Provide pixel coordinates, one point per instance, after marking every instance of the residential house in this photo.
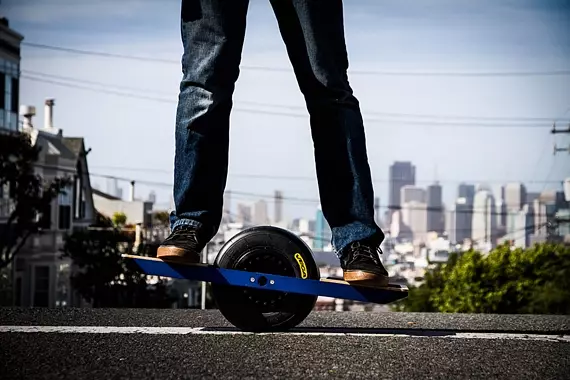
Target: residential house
(41, 276)
(10, 42)
(136, 211)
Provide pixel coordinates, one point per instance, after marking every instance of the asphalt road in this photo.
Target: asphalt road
(201, 344)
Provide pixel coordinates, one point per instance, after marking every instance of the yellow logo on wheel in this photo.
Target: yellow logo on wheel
(302, 265)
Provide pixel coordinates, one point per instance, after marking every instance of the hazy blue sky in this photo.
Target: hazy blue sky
(382, 36)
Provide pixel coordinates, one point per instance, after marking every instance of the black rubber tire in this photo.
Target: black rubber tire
(269, 243)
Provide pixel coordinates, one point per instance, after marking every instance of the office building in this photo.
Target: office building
(466, 191)
(402, 173)
(278, 213)
(411, 193)
(322, 231)
(10, 57)
(514, 196)
(260, 213)
(484, 223)
(435, 215)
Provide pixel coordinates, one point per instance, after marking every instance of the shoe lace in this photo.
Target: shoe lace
(365, 251)
(184, 231)
(187, 233)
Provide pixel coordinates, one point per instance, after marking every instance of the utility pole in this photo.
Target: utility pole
(204, 261)
(555, 131)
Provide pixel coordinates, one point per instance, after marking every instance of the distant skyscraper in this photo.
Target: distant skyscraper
(539, 217)
(531, 196)
(450, 216)
(312, 224)
(260, 215)
(464, 212)
(435, 216)
(484, 218)
(398, 229)
(322, 231)
(515, 196)
(462, 220)
(243, 214)
(227, 214)
(502, 211)
(523, 227)
(414, 215)
(401, 173)
(466, 191)
(152, 197)
(409, 193)
(278, 206)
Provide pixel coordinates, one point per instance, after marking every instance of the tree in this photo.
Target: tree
(161, 218)
(421, 298)
(534, 280)
(104, 278)
(29, 194)
(119, 219)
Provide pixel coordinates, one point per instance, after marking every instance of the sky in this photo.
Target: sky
(489, 129)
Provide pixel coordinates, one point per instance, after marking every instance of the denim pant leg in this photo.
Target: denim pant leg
(313, 32)
(212, 36)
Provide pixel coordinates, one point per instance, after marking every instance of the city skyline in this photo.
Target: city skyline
(459, 189)
(407, 117)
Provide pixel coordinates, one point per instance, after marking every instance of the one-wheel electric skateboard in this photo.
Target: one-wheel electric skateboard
(266, 279)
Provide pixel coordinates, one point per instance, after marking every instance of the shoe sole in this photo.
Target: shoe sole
(358, 277)
(177, 254)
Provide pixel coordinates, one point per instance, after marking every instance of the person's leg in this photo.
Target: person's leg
(212, 35)
(313, 33)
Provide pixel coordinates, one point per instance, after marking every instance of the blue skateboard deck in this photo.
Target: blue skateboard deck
(329, 287)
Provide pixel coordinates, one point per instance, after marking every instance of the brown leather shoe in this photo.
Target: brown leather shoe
(181, 246)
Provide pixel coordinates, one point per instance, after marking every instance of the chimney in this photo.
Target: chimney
(48, 117)
(27, 112)
(132, 193)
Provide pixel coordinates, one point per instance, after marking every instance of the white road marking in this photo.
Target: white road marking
(207, 331)
(99, 329)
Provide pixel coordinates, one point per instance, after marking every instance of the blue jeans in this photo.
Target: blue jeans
(313, 32)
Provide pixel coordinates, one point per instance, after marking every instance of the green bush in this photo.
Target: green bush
(524, 281)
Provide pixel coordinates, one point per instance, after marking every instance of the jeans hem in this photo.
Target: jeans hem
(186, 222)
(377, 236)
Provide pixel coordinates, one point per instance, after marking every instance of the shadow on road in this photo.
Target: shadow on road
(348, 330)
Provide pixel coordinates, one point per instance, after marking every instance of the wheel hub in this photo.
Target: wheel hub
(264, 261)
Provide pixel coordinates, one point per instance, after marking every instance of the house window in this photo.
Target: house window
(79, 198)
(41, 286)
(14, 98)
(64, 201)
(7, 103)
(45, 217)
(2, 91)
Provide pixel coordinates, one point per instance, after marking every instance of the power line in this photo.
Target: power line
(261, 104)
(97, 53)
(279, 69)
(97, 90)
(312, 178)
(91, 82)
(288, 199)
(287, 114)
(257, 195)
(510, 234)
(297, 200)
